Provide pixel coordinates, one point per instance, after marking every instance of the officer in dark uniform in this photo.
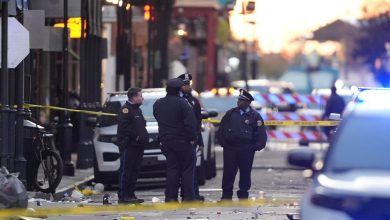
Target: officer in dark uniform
(196, 107)
(240, 133)
(132, 139)
(178, 135)
(335, 104)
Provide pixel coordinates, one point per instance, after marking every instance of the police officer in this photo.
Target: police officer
(195, 104)
(240, 133)
(335, 104)
(178, 135)
(132, 138)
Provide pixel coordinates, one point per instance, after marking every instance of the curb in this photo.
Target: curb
(68, 189)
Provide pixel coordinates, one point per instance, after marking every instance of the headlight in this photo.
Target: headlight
(107, 138)
(346, 203)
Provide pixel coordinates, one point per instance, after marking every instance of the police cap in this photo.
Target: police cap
(245, 95)
(175, 83)
(186, 77)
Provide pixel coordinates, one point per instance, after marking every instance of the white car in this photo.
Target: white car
(106, 158)
(353, 181)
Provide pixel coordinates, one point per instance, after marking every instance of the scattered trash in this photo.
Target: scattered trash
(218, 213)
(98, 188)
(261, 194)
(269, 169)
(192, 211)
(33, 212)
(293, 216)
(87, 191)
(257, 215)
(12, 191)
(106, 199)
(39, 203)
(125, 218)
(77, 195)
(155, 200)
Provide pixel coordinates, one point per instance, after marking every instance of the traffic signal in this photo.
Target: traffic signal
(148, 13)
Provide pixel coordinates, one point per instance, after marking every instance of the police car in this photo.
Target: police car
(106, 155)
(353, 181)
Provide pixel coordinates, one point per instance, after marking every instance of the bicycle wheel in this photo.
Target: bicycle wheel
(48, 172)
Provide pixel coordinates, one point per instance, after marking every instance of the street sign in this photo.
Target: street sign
(18, 42)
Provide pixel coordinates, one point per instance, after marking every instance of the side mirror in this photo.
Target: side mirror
(212, 113)
(91, 121)
(302, 157)
(208, 114)
(204, 114)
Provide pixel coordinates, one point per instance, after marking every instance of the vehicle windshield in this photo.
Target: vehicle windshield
(147, 109)
(261, 89)
(114, 107)
(363, 143)
(219, 103)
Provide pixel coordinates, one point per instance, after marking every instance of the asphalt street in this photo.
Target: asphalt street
(277, 185)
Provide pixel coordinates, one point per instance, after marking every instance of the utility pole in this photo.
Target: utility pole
(66, 126)
(5, 110)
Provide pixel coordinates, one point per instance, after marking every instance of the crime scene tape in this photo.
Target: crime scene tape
(267, 122)
(291, 99)
(289, 123)
(93, 209)
(303, 135)
(68, 109)
(290, 116)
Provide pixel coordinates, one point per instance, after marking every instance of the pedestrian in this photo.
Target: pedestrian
(178, 136)
(197, 109)
(241, 133)
(132, 139)
(335, 104)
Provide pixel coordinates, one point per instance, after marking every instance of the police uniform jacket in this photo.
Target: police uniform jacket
(176, 120)
(194, 102)
(242, 131)
(335, 104)
(131, 127)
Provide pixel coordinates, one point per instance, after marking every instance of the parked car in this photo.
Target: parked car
(106, 163)
(353, 181)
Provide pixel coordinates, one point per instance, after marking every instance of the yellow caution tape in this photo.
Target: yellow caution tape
(92, 209)
(68, 109)
(214, 121)
(302, 123)
(290, 123)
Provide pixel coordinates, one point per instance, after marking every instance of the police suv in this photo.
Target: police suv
(353, 179)
(106, 155)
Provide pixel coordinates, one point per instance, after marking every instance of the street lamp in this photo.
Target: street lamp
(247, 8)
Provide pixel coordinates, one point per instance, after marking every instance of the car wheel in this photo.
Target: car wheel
(201, 172)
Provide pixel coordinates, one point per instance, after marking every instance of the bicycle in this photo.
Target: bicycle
(47, 165)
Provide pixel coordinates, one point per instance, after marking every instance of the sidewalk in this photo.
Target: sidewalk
(67, 184)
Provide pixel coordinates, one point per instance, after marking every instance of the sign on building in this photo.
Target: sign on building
(18, 42)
